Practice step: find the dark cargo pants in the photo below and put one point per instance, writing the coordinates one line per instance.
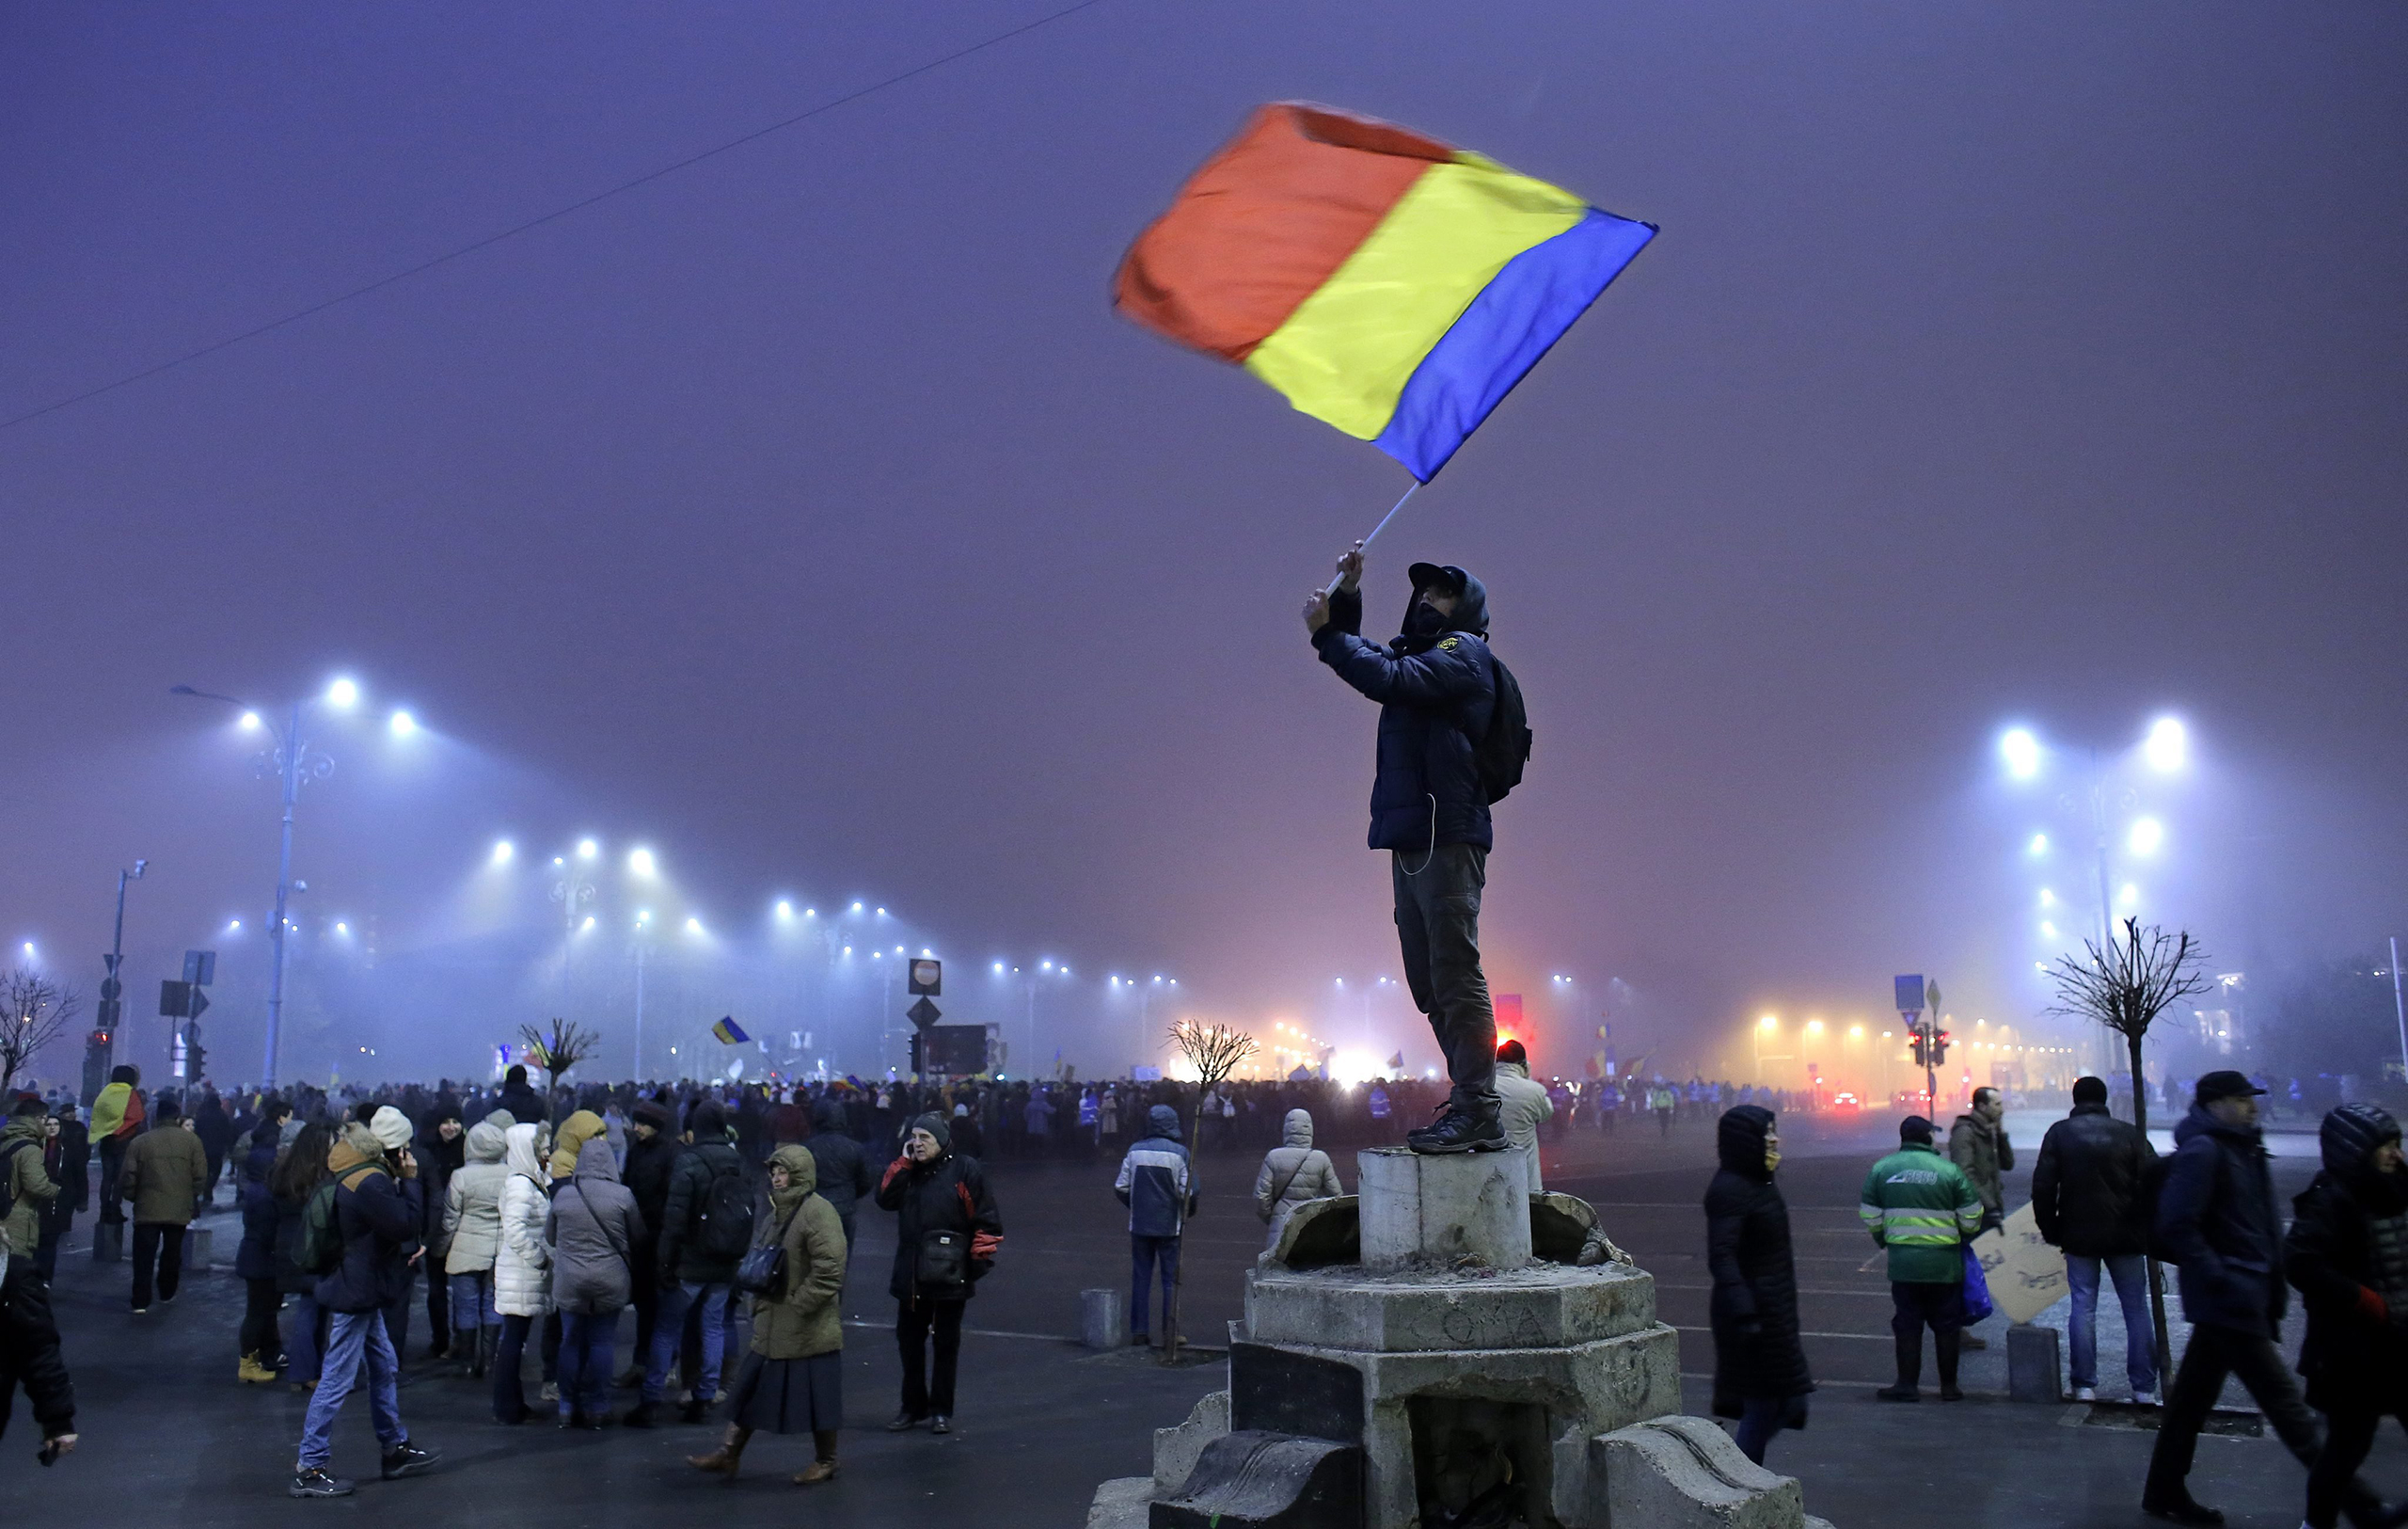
(1438, 926)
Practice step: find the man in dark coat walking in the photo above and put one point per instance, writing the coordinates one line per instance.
(1760, 1374)
(694, 1266)
(2347, 1253)
(652, 1156)
(2086, 1196)
(2216, 1217)
(1436, 686)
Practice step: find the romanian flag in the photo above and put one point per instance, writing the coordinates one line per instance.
(728, 1033)
(1386, 284)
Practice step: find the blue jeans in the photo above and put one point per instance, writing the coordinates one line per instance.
(2131, 1274)
(668, 1330)
(353, 1338)
(1143, 1254)
(1759, 1419)
(586, 1344)
(472, 1301)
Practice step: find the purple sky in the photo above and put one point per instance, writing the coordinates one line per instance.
(808, 512)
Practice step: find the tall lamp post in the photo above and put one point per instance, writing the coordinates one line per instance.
(293, 758)
(100, 1048)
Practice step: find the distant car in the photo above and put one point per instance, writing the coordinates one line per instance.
(1847, 1104)
(1913, 1100)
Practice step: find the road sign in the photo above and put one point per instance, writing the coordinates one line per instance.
(200, 966)
(199, 1004)
(173, 995)
(110, 960)
(924, 1013)
(111, 990)
(1909, 990)
(927, 978)
(953, 1050)
(1931, 997)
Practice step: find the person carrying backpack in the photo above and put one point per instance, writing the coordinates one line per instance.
(705, 1230)
(1451, 741)
(26, 1190)
(377, 1216)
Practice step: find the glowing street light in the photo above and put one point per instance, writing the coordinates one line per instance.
(2168, 742)
(402, 724)
(504, 852)
(2147, 835)
(640, 863)
(343, 692)
(587, 849)
(250, 722)
(2021, 752)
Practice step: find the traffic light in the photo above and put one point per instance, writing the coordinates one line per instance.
(1939, 1047)
(1922, 1054)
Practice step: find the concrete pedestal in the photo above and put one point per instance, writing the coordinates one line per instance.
(2034, 1364)
(1444, 1210)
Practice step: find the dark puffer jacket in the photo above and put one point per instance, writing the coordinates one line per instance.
(681, 1253)
(2086, 1186)
(1754, 1307)
(1436, 691)
(947, 1195)
(2348, 1254)
(256, 1258)
(2216, 1217)
(842, 1165)
(379, 1218)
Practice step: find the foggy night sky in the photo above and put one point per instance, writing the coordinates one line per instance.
(808, 515)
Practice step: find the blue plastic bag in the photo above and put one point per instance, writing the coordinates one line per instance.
(1977, 1288)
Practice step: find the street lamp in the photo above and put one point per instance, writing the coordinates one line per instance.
(294, 757)
(2166, 749)
(102, 1045)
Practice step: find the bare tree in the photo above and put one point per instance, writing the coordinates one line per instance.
(1215, 1051)
(561, 1048)
(2128, 987)
(34, 1011)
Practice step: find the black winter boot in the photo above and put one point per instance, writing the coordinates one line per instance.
(1944, 1345)
(1910, 1349)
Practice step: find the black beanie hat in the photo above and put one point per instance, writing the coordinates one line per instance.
(2353, 1131)
(935, 1126)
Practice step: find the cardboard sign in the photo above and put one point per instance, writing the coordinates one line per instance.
(2026, 1276)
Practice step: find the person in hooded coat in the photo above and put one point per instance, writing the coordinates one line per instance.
(522, 1286)
(844, 1168)
(472, 1241)
(1291, 1174)
(1523, 1106)
(2347, 1255)
(593, 1231)
(442, 1151)
(522, 1101)
(262, 1351)
(1436, 687)
(1760, 1374)
(652, 1158)
(1153, 1185)
(792, 1381)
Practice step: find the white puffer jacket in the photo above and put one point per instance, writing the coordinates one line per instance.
(522, 1280)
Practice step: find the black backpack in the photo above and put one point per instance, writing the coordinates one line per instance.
(727, 1216)
(1499, 754)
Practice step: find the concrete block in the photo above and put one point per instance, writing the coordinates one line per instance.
(1541, 1306)
(1103, 1318)
(1467, 1207)
(1176, 1450)
(1320, 1233)
(2034, 1364)
(1249, 1480)
(1684, 1472)
(199, 1241)
(1121, 1504)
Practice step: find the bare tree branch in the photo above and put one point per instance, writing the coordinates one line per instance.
(34, 1011)
(564, 1047)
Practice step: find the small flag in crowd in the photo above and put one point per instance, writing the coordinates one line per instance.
(728, 1033)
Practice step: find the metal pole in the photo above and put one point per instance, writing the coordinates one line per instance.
(283, 888)
(2398, 1009)
(640, 1006)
